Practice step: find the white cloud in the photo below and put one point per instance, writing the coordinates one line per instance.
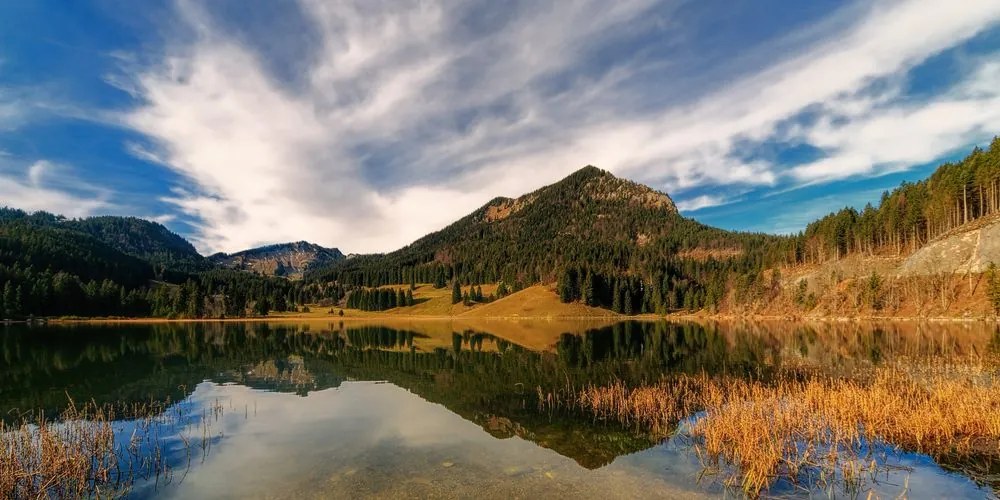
(700, 202)
(402, 124)
(895, 136)
(45, 186)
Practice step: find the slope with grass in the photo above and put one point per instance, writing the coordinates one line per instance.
(537, 301)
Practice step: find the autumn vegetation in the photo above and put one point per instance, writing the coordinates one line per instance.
(807, 427)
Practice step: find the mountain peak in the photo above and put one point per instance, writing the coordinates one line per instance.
(600, 185)
(588, 172)
(280, 259)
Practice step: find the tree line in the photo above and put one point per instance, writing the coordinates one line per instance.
(912, 214)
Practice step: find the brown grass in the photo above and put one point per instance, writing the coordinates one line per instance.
(815, 426)
(77, 456)
(538, 301)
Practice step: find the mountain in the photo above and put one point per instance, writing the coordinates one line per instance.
(124, 266)
(42, 242)
(285, 259)
(590, 223)
(149, 241)
(145, 240)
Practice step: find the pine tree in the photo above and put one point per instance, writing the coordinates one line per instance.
(8, 300)
(261, 307)
(565, 286)
(616, 298)
(993, 287)
(409, 297)
(456, 292)
(587, 290)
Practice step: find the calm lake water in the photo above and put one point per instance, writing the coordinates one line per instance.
(445, 409)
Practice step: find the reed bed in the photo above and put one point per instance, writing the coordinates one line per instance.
(84, 454)
(810, 427)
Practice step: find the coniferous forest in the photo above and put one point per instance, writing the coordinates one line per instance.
(604, 241)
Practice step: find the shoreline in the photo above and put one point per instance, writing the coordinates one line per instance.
(602, 318)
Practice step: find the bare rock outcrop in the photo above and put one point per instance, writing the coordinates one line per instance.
(968, 251)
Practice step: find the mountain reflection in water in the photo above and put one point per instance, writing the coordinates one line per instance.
(460, 413)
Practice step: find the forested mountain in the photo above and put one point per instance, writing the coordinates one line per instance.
(124, 266)
(284, 259)
(147, 240)
(612, 241)
(140, 238)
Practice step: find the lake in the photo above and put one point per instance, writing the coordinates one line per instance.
(337, 409)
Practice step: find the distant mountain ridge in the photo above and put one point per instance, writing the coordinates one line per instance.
(290, 260)
(114, 238)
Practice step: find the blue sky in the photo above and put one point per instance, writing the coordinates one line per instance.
(366, 124)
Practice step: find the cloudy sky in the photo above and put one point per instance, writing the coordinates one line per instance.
(365, 124)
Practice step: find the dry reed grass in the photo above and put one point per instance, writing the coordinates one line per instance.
(78, 455)
(810, 427)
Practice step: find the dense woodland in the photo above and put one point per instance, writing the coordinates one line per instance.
(605, 241)
(912, 214)
(50, 266)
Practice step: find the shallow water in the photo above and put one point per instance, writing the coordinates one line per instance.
(446, 410)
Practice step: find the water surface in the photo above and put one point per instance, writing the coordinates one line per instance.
(448, 409)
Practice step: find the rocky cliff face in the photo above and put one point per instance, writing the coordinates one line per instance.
(286, 259)
(970, 249)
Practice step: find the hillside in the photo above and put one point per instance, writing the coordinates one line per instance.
(124, 266)
(290, 260)
(970, 248)
(27, 244)
(143, 239)
(591, 224)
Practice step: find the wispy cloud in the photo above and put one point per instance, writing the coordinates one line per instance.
(47, 186)
(699, 202)
(405, 117)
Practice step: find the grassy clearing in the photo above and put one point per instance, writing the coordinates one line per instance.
(809, 428)
(539, 301)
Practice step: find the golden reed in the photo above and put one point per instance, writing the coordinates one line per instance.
(804, 421)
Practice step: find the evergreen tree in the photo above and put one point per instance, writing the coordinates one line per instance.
(616, 301)
(627, 301)
(456, 292)
(9, 309)
(993, 287)
(873, 291)
(261, 307)
(587, 290)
